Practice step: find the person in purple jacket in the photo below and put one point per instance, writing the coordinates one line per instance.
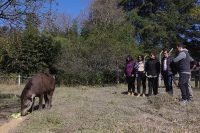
(129, 72)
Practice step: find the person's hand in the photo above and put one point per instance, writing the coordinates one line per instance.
(193, 68)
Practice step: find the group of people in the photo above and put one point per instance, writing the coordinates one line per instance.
(142, 70)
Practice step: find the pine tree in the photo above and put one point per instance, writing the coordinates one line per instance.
(158, 22)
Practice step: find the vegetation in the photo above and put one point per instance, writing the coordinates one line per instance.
(105, 109)
(92, 50)
(43, 122)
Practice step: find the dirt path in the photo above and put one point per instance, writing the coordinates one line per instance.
(10, 126)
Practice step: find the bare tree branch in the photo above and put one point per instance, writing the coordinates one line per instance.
(13, 11)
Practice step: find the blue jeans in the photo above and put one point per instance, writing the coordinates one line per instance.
(168, 83)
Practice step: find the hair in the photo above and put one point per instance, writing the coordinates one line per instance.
(141, 57)
(166, 50)
(153, 53)
(180, 45)
(130, 57)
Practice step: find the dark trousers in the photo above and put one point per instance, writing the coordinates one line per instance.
(168, 83)
(131, 83)
(141, 79)
(153, 85)
(183, 83)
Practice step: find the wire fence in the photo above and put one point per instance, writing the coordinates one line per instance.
(14, 79)
(19, 80)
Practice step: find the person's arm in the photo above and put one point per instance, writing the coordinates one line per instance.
(191, 59)
(162, 65)
(134, 69)
(180, 56)
(193, 64)
(146, 67)
(158, 67)
(136, 65)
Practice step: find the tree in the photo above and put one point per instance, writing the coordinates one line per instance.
(60, 24)
(106, 39)
(195, 12)
(28, 52)
(106, 12)
(38, 52)
(158, 22)
(15, 11)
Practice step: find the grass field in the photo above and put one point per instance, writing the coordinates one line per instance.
(107, 109)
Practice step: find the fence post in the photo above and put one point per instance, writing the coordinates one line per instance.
(19, 79)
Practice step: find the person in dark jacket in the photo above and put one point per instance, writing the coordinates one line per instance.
(152, 69)
(197, 71)
(129, 72)
(166, 71)
(198, 67)
(183, 62)
(140, 75)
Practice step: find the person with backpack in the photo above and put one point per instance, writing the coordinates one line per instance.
(129, 72)
(152, 68)
(140, 75)
(166, 71)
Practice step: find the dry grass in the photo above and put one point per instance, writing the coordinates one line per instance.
(42, 122)
(107, 109)
(9, 102)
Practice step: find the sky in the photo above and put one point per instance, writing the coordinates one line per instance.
(72, 7)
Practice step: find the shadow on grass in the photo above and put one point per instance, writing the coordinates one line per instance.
(36, 107)
(135, 94)
(9, 103)
(124, 92)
